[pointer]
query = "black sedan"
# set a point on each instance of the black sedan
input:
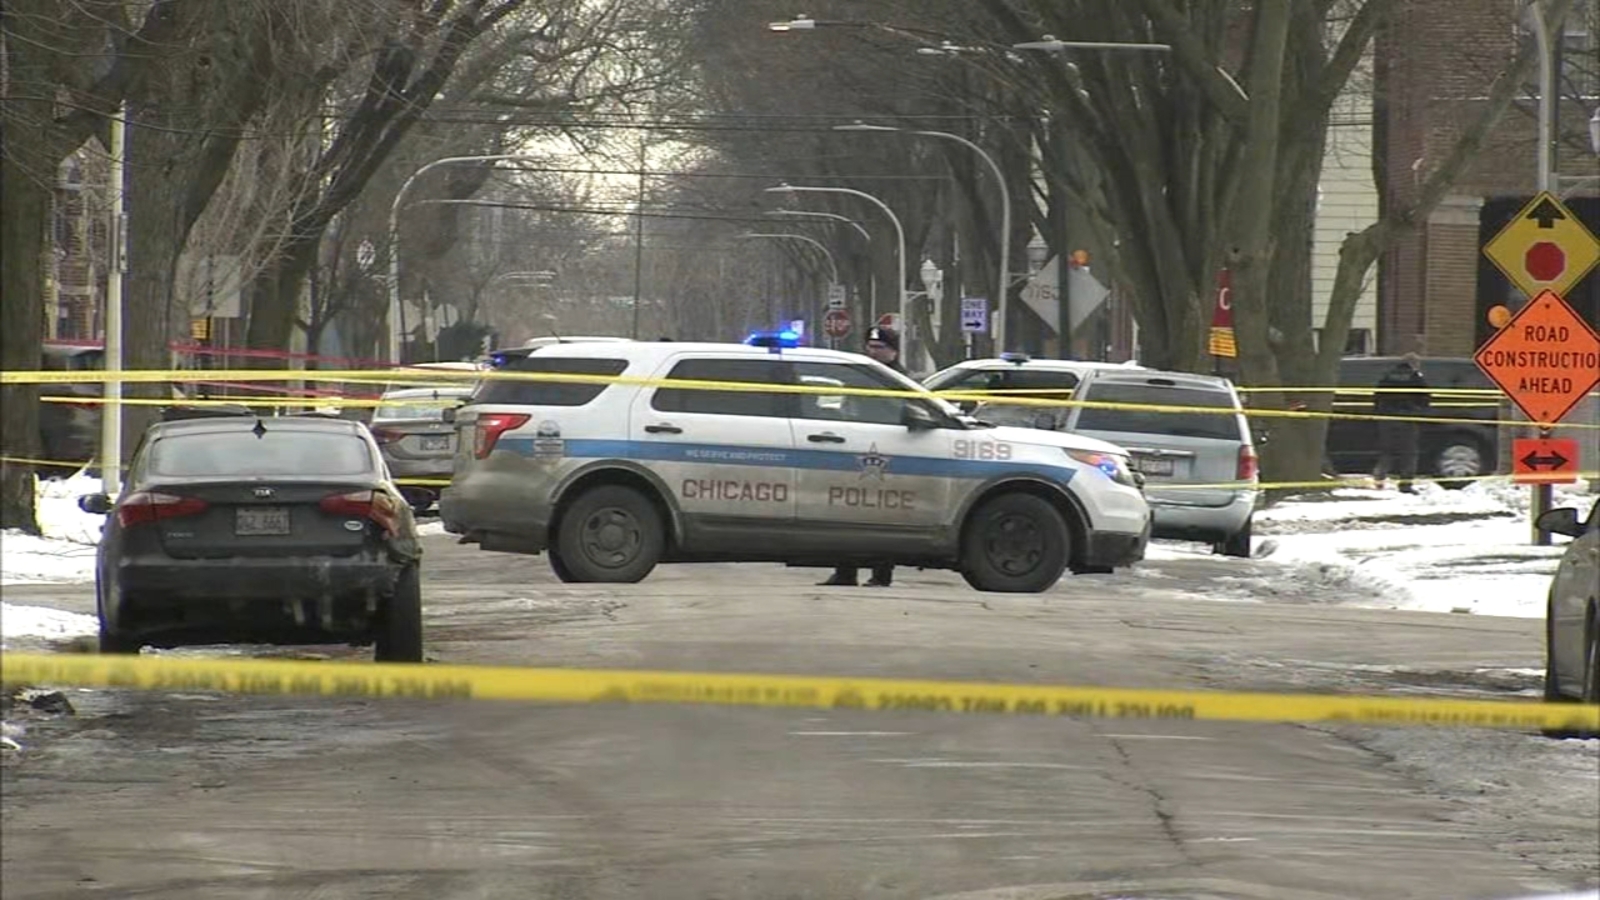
(284, 530)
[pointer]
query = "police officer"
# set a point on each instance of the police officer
(883, 345)
(1402, 392)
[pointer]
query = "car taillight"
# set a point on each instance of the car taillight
(376, 506)
(490, 427)
(1247, 463)
(385, 436)
(150, 506)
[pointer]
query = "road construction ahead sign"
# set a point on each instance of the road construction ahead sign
(1545, 359)
(1544, 248)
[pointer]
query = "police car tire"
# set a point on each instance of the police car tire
(982, 572)
(559, 566)
(626, 503)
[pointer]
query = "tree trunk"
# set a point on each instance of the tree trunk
(275, 293)
(21, 331)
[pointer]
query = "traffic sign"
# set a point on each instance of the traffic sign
(1544, 460)
(1544, 247)
(836, 324)
(836, 296)
(974, 315)
(1545, 359)
(890, 321)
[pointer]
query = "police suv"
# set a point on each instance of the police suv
(615, 457)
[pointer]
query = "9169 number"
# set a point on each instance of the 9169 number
(982, 450)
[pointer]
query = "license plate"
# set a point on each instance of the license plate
(1152, 466)
(441, 442)
(255, 521)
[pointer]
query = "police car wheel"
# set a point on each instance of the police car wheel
(610, 533)
(1015, 543)
(559, 566)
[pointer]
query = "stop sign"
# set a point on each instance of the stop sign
(1545, 261)
(836, 323)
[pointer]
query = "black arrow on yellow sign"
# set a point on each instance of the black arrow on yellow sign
(1546, 213)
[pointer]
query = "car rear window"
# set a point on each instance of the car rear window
(548, 393)
(280, 451)
(1139, 421)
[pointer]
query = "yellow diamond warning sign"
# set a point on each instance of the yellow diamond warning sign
(1546, 358)
(1544, 248)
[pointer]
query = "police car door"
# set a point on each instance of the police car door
(862, 465)
(727, 456)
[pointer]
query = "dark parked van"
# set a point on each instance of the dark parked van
(69, 431)
(1448, 450)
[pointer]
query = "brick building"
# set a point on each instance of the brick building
(1434, 65)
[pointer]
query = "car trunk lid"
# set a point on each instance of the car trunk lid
(269, 518)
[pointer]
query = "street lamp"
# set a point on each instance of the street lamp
(396, 338)
(1051, 43)
(900, 232)
(1002, 299)
(833, 267)
(812, 214)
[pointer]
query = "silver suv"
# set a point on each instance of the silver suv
(1200, 467)
(611, 476)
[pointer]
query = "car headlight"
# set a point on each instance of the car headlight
(1114, 466)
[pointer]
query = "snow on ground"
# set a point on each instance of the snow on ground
(65, 553)
(1438, 550)
(18, 621)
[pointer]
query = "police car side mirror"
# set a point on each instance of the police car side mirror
(98, 504)
(1562, 520)
(917, 418)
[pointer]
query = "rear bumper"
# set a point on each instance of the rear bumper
(284, 601)
(1181, 521)
(420, 468)
(165, 580)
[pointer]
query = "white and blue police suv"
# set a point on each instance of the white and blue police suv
(613, 457)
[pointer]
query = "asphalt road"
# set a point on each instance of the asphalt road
(224, 798)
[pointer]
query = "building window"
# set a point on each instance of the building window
(1357, 343)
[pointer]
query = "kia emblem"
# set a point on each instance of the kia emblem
(263, 492)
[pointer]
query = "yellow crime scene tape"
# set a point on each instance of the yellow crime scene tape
(163, 375)
(545, 685)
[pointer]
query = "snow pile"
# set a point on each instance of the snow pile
(17, 621)
(1464, 551)
(65, 553)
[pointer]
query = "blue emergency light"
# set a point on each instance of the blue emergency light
(773, 340)
(1011, 356)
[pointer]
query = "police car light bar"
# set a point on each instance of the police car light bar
(1014, 357)
(773, 340)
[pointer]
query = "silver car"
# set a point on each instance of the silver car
(1200, 469)
(1572, 622)
(416, 441)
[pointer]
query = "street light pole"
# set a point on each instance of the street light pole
(397, 339)
(111, 410)
(824, 215)
(1002, 300)
(833, 266)
(900, 232)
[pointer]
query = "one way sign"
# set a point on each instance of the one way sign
(1544, 460)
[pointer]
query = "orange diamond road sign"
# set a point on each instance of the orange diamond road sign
(1544, 247)
(1545, 359)
(1544, 460)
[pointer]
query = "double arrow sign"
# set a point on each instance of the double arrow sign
(1544, 460)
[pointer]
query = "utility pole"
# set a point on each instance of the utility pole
(111, 410)
(638, 245)
(1547, 36)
